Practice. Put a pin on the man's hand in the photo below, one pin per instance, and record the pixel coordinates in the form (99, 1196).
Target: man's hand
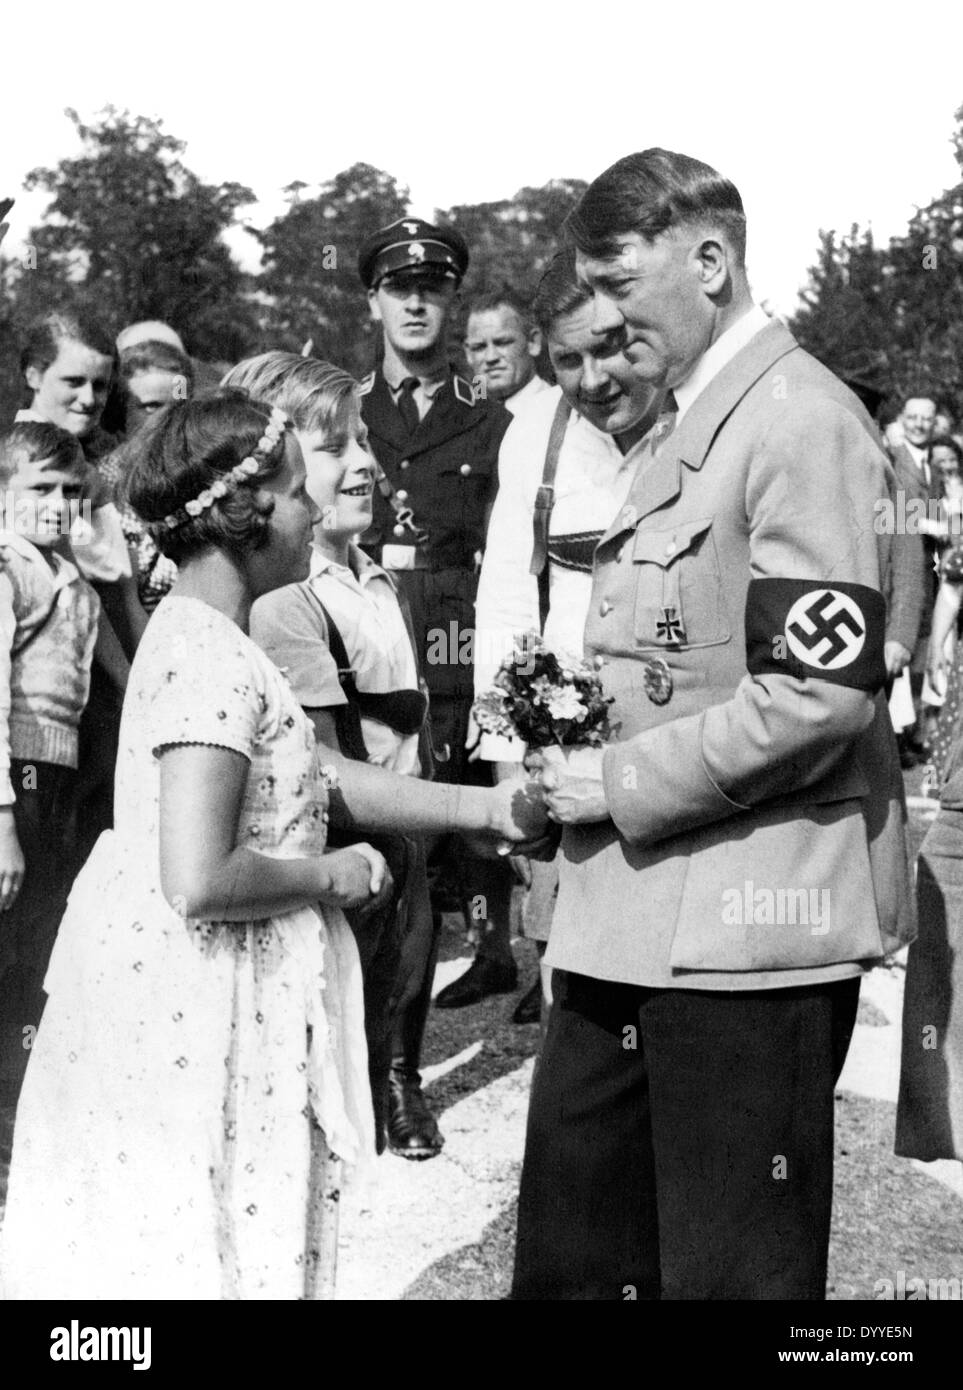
(895, 657)
(573, 787)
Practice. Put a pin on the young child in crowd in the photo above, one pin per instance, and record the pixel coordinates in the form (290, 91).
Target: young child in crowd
(48, 627)
(203, 1046)
(343, 640)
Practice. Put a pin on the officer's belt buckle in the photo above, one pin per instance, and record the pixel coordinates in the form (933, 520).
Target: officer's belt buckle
(404, 557)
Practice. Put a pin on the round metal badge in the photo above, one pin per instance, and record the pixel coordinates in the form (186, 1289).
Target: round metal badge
(657, 680)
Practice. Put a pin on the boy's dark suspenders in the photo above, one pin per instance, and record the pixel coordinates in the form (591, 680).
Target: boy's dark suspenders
(544, 502)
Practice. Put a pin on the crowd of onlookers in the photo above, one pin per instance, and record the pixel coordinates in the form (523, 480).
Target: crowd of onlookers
(921, 652)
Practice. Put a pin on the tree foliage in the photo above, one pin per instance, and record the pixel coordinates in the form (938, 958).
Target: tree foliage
(893, 315)
(310, 257)
(135, 233)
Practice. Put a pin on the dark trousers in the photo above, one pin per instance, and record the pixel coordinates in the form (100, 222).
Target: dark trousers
(484, 884)
(43, 816)
(680, 1143)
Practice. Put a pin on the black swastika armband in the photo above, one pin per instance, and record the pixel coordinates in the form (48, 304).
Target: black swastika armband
(801, 627)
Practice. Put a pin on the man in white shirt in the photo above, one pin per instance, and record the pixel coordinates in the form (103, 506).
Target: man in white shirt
(610, 412)
(502, 348)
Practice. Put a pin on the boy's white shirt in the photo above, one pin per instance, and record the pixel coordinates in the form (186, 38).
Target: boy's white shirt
(592, 481)
(365, 607)
(62, 574)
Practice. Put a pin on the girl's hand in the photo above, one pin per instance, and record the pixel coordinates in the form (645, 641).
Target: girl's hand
(518, 813)
(358, 877)
(11, 860)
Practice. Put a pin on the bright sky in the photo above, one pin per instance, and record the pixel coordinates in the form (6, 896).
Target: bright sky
(823, 114)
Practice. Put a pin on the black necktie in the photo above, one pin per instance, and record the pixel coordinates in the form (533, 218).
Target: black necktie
(406, 404)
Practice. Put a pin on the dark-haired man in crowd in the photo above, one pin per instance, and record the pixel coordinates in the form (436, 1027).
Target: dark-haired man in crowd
(736, 860)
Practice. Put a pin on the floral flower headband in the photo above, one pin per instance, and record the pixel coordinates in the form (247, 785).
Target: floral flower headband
(242, 472)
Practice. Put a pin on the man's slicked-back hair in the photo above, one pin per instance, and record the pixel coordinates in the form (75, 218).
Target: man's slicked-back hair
(649, 193)
(559, 291)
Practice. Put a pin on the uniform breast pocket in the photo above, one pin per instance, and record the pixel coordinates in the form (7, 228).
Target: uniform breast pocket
(678, 587)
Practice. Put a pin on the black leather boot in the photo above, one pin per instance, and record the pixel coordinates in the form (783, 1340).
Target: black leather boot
(412, 1129)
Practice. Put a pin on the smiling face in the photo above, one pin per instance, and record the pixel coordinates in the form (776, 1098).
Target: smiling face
(658, 295)
(499, 351)
(72, 391)
(340, 472)
(595, 377)
(919, 421)
(413, 308)
(286, 557)
(48, 498)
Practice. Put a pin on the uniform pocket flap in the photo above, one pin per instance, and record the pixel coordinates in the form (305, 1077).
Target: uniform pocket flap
(663, 547)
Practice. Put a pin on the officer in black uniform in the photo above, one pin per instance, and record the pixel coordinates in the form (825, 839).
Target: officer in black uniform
(436, 438)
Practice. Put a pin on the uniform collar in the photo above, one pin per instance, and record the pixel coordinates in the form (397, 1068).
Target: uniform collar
(430, 385)
(659, 481)
(722, 351)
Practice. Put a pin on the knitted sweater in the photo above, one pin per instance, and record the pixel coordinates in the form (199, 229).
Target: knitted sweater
(48, 627)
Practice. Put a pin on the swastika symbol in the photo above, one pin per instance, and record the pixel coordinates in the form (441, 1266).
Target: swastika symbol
(825, 629)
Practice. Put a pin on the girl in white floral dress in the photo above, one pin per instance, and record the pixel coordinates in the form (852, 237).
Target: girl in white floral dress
(203, 1038)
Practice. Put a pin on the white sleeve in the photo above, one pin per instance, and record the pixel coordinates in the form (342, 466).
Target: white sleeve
(100, 548)
(507, 602)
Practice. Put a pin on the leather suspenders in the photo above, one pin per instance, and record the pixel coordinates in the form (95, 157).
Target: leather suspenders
(544, 502)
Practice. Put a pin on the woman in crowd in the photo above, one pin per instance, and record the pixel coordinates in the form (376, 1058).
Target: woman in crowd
(152, 374)
(945, 652)
(203, 1043)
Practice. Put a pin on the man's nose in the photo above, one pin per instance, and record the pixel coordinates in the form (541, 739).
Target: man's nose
(606, 317)
(594, 376)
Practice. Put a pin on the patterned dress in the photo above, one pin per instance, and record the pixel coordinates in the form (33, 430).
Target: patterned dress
(951, 572)
(167, 1137)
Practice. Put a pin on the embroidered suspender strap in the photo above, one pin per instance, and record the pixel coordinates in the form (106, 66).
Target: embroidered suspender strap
(347, 718)
(544, 502)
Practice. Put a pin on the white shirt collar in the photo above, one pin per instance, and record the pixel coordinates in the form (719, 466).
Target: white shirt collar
(63, 572)
(722, 351)
(361, 569)
(532, 388)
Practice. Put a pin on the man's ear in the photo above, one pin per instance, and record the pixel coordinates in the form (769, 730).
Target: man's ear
(710, 259)
(535, 342)
(374, 308)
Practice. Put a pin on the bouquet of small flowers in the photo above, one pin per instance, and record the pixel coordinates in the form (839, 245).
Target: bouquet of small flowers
(547, 700)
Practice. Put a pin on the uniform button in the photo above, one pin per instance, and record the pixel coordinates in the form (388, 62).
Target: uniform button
(605, 608)
(465, 469)
(404, 464)
(402, 495)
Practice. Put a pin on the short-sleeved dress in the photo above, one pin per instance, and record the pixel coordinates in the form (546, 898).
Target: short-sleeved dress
(163, 1142)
